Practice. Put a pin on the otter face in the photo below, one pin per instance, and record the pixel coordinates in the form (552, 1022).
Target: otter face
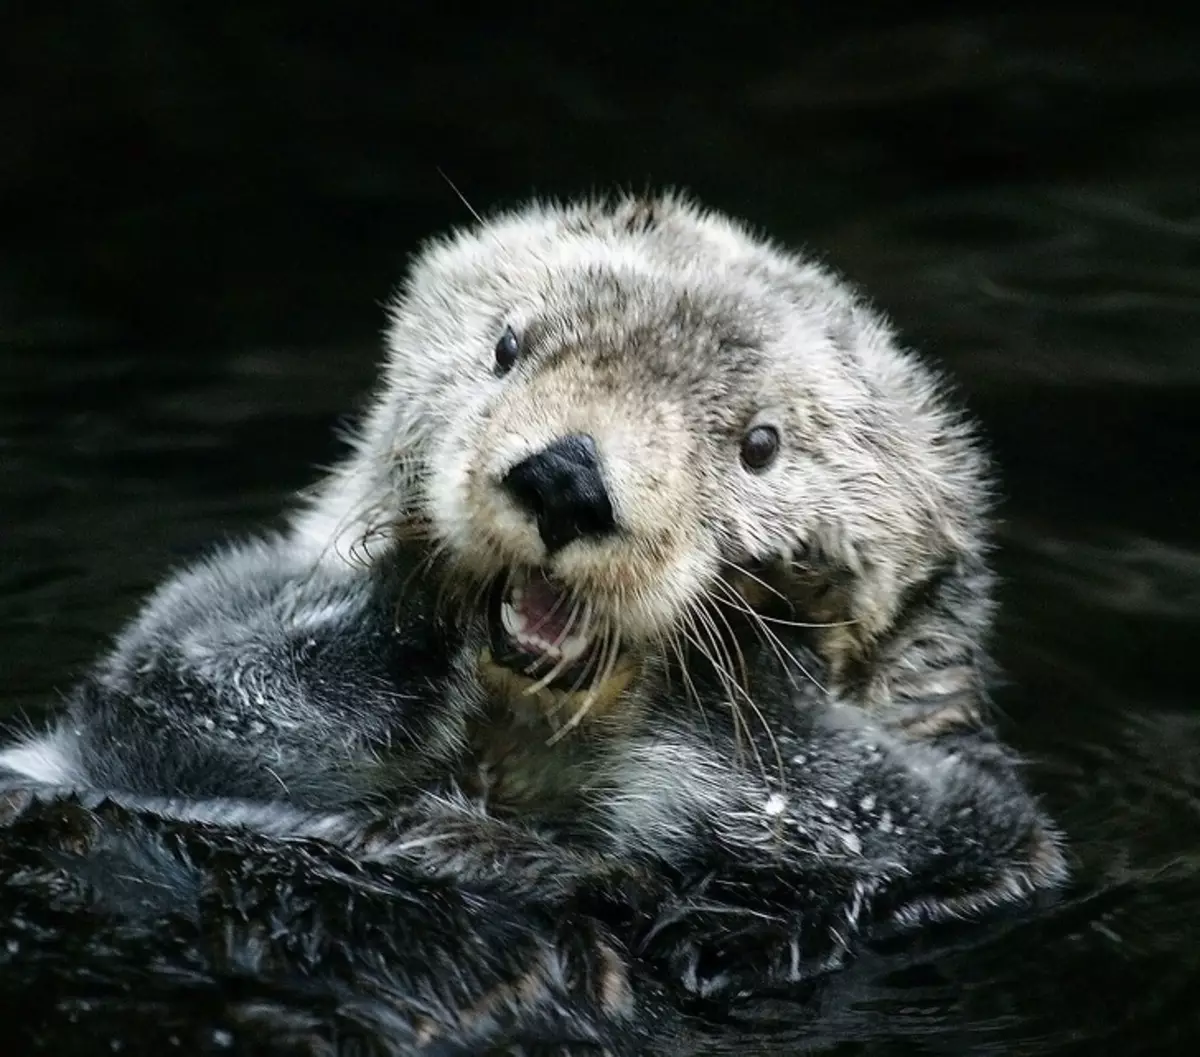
(612, 419)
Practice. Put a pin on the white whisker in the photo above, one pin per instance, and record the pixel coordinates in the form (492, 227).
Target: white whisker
(605, 673)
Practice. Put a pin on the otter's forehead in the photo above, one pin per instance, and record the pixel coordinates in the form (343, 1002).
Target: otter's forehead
(648, 328)
(657, 291)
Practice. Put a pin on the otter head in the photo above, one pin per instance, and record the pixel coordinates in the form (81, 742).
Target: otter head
(612, 419)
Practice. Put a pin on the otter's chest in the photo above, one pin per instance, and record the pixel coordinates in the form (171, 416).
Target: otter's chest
(511, 766)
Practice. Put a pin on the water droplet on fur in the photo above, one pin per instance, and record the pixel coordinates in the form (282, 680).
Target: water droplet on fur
(775, 805)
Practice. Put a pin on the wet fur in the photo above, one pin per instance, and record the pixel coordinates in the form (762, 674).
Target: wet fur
(800, 759)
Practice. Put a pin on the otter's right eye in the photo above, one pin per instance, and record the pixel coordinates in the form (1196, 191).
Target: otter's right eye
(759, 447)
(508, 351)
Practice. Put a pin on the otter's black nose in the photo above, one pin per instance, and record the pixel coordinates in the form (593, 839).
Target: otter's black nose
(562, 487)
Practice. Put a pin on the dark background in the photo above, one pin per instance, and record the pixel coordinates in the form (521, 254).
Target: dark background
(202, 208)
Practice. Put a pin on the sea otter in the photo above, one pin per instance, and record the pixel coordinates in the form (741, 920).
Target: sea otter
(653, 596)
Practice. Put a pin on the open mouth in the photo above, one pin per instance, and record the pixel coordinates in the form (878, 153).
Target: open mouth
(537, 631)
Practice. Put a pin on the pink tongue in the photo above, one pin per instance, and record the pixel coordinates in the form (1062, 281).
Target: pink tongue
(544, 612)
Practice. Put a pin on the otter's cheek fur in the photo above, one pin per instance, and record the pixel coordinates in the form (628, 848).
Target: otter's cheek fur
(339, 781)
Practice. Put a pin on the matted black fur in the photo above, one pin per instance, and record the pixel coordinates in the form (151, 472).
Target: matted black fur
(123, 932)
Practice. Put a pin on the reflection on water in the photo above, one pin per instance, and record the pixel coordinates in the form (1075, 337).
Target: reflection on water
(200, 225)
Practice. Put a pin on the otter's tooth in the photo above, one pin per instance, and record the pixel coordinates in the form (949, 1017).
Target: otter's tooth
(510, 618)
(573, 647)
(535, 642)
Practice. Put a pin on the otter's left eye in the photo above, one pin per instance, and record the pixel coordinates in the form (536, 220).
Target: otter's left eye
(759, 447)
(508, 350)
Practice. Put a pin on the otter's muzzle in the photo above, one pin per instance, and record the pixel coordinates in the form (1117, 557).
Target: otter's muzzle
(563, 489)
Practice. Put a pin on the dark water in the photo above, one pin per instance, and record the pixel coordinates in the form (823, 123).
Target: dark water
(199, 214)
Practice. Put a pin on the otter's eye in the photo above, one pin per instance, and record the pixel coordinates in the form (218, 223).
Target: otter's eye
(508, 350)
(759, 447)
